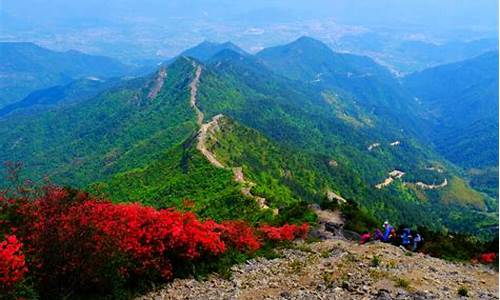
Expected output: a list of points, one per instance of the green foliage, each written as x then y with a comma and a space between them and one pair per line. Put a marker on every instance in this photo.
183, 173
375, 262
460, 106
463, 291
402, 283
454, 246
358, 219
295, 141
27, 67
118, 130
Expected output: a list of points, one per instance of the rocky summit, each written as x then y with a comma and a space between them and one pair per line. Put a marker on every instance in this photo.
336, 269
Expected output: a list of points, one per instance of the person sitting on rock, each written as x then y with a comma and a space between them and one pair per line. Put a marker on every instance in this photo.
387, 232
393, 237
378, 235
406, 237
365, 237
417, 241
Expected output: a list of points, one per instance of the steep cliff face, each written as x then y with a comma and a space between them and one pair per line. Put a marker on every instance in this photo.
336, 269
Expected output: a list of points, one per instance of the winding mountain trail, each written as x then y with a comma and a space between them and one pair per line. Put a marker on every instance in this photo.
202, 138
194, 92
432, 186
210, 128
396, 174
158, 83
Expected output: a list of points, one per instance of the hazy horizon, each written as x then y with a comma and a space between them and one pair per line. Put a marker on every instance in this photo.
137, 30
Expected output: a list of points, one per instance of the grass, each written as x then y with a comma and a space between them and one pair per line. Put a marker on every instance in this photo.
326, 253
463, 291
297, 266
302, 247
402, 283
329, 279
459, 191
375, 262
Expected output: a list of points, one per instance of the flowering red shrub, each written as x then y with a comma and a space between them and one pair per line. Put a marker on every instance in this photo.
488, 258
80, 243
240, 235
12, 263
287, 232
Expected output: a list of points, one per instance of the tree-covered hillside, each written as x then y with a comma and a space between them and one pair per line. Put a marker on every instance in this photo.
25, 67
459, 111
57, 96
119, 129
282, 144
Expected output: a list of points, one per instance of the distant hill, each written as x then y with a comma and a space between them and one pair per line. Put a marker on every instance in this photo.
25, 67
206, 50
53, 97
408, 56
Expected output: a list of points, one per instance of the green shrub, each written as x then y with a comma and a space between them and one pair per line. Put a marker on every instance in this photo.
375, 262
463, 291
402, 283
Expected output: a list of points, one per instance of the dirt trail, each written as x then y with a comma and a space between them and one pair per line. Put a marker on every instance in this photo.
210, 128
396, 174
202, 138
158, 83
331, 195
194, 92
432, 186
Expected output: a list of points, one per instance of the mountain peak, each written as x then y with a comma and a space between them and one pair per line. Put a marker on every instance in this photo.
206, 49
303, 46
307, 39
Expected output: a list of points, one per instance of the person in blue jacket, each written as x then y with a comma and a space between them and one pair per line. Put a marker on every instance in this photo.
387, 232
406, 237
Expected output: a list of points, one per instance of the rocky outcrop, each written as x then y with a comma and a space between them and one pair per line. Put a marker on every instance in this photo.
336, 269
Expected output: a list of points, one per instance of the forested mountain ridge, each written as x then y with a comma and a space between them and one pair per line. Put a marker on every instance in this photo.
354, 77
459, 110
297, 142
25, 67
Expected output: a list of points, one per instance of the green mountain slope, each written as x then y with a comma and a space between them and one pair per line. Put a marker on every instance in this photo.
56, 96
281, 145
301, 119
355, 77
119, 129
459, 108
25, 67
461, 100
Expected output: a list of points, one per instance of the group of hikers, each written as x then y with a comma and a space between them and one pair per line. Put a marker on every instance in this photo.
407, 238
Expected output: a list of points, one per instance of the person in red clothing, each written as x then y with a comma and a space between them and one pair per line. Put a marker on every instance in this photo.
365, 237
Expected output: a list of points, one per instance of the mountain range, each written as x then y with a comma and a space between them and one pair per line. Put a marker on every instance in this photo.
25, 67
263, 136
